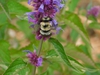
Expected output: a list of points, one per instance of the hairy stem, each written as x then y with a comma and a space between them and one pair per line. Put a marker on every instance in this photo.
39, 50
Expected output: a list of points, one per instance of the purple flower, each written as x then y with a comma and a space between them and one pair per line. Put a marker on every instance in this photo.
34, 59
41, 8
29, 1
58, 29
44, 8
47, 2
94, 11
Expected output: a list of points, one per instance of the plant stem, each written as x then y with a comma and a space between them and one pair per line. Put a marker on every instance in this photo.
5, 12
34, 70
39, 50
40, 47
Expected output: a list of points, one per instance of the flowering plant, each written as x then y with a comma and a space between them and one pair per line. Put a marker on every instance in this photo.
28, 45
44, 8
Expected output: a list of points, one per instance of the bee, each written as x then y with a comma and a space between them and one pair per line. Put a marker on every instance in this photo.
45, 26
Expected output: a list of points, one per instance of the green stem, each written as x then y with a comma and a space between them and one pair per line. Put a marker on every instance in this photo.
5, 12
40, 47
39, 50
34, 70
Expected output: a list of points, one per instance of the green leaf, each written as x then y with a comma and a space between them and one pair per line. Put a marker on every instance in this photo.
74, 35
24, 71
75, 20
16, 8
93, 18
72, 5
60, 50
94, 25
51, 53
3, 31
4, 52
15, 68
76, 65
15, 53
84, 49
75, 23
77, 53
3, 20
48, 72
45, 73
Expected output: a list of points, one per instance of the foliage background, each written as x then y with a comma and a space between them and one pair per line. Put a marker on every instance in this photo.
80, 39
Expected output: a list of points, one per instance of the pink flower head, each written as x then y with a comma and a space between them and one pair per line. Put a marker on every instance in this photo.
94, 11
44, 8
34, 59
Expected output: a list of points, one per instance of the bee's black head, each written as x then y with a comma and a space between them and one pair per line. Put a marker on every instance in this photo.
46, 19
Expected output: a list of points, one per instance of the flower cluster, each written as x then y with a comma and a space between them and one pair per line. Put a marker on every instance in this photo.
44, 8
94, 11
34, 59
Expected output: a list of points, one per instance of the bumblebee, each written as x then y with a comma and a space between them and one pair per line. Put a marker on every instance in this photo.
45, 26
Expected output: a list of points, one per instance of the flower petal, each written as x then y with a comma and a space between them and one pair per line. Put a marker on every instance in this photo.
39, 37
39, 61
47, 2
41, 8
61, 6
58, 29
55, 23
29, 1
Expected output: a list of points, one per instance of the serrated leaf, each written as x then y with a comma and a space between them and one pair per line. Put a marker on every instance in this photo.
77, 53
60, 50
4, 52
75, 23
16, 8
15, 67
76, 65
